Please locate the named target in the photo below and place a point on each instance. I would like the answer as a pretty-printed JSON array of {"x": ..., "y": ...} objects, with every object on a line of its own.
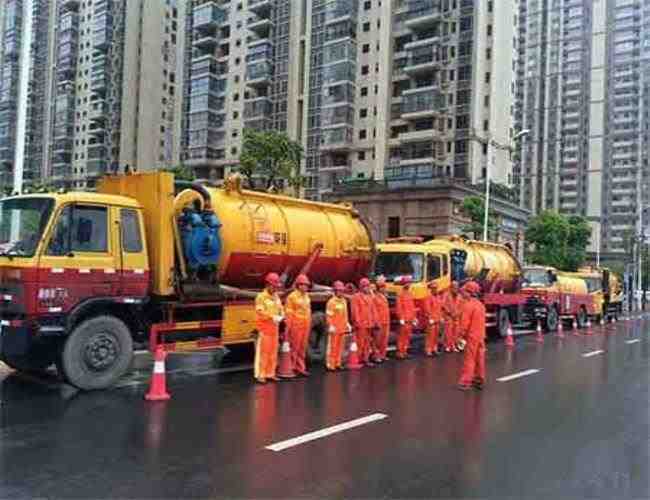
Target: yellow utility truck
[{"x": 146, "y": 260}]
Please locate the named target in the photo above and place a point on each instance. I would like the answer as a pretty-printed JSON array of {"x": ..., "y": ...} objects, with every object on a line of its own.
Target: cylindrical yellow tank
[
  {"x": 571, "y": 284},
  {"x": 263, "y": 232},
  {"x": 501, "y": 263}
]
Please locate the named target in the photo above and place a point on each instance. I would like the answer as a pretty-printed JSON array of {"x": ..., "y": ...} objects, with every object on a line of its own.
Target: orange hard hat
[
  {"x": 381, "y": 281},
  {"x": 406, "y": 280},
  {"x": 302, "y": 279},
  {"x": 339, "y": 286},
  {"x": 272, "y": 279},
  {"x": 472, "y": 287},
  {"x": 364, "y": 282}
]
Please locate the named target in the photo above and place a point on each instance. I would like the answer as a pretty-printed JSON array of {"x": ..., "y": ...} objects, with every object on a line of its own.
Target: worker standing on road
[
  {"x": 363, "y": 320},
  {"x": 298, "y": 308},
  {"x": 406, "y": 316},
  {"x": 433, "y": 304},
  {"x": 473, "y": 332},
  {"x": 338, "y": 324},
  {"x": 452, "y": 310},
  {"x": 268, "y": 316},
  {"x": 382, "y": 317}
]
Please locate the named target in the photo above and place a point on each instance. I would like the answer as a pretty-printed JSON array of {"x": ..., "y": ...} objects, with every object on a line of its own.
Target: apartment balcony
[
  {"x": 337, "y": 139},
  {"x": 206, "y": 64},
  {"x": 422, "y": 60},
  {"x": 62, "y": 145},
  {"x": 69, "y": 5},
  {"x": 341, "y": 166},
  {"x": 422, "y": 14},
  {"x": 618, "y": 191},
  {"x": 261, "y": 26},
  {"x": 205, "y": 157},
  {"x": 422, "y": 103},
  {"x": 206, "y": 42},
  {"x": 97, "y": 130},
  {"x": 262, "y": 8},
  {"x": 627, "y": 155},
  {"x": 418, "y": 135},
  {"x": 99, "y": 112},
  {"x": 259, "y": 74},
  {"x": 257, "y": 113},
  {"x": 208, "y": 16},
  {"x": 96, "y": 168},
  {"x": 62, "y": 157},
  {"x": 337, "y": 10}
]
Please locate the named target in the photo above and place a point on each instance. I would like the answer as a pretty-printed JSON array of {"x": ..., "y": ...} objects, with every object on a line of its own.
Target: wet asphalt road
[{"x": 578, "y": 427}]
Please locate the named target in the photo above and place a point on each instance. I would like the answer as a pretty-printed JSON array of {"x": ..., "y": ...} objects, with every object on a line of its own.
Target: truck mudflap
[{"x": 15, "y": 337}]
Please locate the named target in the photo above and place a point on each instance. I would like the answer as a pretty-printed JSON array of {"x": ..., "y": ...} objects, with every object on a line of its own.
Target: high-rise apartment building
[
  {"x": 104, "y": 87},
  {"x": 582, "y": 90},
  {"x": 384, "y": 88}
]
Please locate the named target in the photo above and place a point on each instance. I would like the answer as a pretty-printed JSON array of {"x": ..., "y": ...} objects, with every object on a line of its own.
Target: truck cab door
[
  {"x": 132, "y": 253},
  {"x": 79, "y": 260}
]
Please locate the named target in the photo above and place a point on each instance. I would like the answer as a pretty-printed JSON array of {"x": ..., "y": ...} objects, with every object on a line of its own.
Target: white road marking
[
  {"x": 592, "y": 353},
  {"x": 305, "y": 438},
  {"x": 633, "y": 341},
  {"x": 518, "y": 375}
]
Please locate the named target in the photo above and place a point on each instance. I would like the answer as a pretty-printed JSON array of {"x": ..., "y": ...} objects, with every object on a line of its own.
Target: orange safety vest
[
  {"x": 382, "y": 309},
  {"x": 473, "y": 320},
  {"x": 298, "y": 308},
  {"x": 336, "y": 311},
  {"x": 434, "y": 307},
  {"x": 405, "y": 306},
  {"x": 363, "y": 310},
  {"x": 267, "y": 305}
]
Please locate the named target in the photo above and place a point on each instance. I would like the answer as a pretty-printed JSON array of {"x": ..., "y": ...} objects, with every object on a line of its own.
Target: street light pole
[{"x": 493, "y": 144}]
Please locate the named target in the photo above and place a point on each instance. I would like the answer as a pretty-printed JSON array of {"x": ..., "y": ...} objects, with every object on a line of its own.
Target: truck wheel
[
  {"x": 317, "y": 338},
  {"x": 582, "y": 318},
  {"x": 97, "y": 353},
  {"x": 552, "y": 319},
  {"x": 503, "y": 320}
]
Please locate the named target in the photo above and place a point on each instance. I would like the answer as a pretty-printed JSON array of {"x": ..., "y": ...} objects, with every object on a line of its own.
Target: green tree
[
  {"x": 474, "y": 208},
  {"x": 557, "y": 240},
  {"x": 181, "y": 172},
  {"x": 271, "y": 156}
]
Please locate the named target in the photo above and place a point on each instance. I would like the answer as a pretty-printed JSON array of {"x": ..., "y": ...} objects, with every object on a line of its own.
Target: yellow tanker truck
[
  {"x": 605, "y": 289},
  {"x": 453, "y": 258},
  {"x": 86, "y": 276}
]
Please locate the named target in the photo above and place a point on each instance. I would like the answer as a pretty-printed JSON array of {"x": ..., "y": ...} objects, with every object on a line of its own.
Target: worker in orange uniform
[
  {"x": 363, "y": 315},
  {"x": 473, "y": 332},
  {"x": 452, "y": 310},
  {"x": 268, "y": 316},
  {"x": 338, "y": 324},
  {"x": 382, "y": 319},
  {"x": 433, "y": 305},
  {"x": 298, "y": 309},
  {"x": 405, "y": 309}
]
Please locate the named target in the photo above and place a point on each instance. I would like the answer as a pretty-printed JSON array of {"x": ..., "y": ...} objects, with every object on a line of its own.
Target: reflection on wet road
[{"x": 567, "y": 418}]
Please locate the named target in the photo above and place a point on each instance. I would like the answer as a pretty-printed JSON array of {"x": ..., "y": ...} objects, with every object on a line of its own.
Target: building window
[
  {"x": 364, "y": 69},
  {"x": 487, "y": 77},
  {"x": 367, "y": 5},
  {"x": 489, "y": 30},
  {"x": 363, "y": 134},
  {"x": 488, "y": 53},
  {"x": 364, "y": 91},
  {"x": 366, "y": 27},
  {"x": 363, "y": 113},
  {"x": 361, "y": 155},
  {"x": 366, "y": 48},
  {"x": 393, "y": 227}
]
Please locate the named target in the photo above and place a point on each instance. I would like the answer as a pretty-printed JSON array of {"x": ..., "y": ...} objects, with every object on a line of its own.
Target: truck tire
[
  {"x": 503, "y": 320},
  {"x": 317, "y": 338},
  {"x": 97, "y": 353},
  {"x": 552, "y": 319}
]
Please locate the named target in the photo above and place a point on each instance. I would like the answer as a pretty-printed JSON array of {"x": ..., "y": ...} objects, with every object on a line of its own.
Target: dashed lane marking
[
  {"x": 633, "y": 341},
  {"x": 328, "y": 431},
  {"x": 592, "y": 353},
  {"x": 517, "y": 375}
]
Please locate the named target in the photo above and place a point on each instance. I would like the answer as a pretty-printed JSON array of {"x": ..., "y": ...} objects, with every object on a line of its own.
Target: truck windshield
[
  {"x": 536, "y": 277},
  {"x": 397, "y": 264},
  {"x": 22, "y": 222}
]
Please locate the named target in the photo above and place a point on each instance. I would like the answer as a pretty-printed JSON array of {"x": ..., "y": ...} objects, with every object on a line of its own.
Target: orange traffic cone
[
  {"x": 588, "y": 332},
  {"x": 158, "y": 386},
  {"x": 560, "y": 330},
  {"x": 509, "y": 341},
  {"x": 575, "y": 326},
  {"x": 353, "y": 357},
  {"x": 285, "y": 367},
  {"x": 602, "y": 320},
  {"x": 539, "y": 336}
]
